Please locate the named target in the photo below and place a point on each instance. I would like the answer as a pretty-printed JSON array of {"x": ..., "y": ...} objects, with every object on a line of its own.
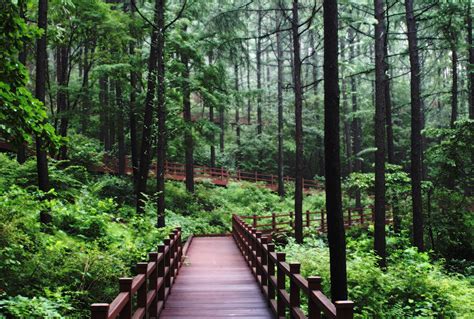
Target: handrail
[
  {"x": 271, "y": 270},
  {"x": 151, "y": 286},
  {"x": 354, "y": 216}
]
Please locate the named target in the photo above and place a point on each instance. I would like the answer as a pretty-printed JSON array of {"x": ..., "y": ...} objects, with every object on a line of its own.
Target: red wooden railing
[
  {"x": 272, "y": 271},
  {"x": 144, "y": 295},
  {"x": 218, "y": 175},
  {"x": 278, "y": 222}
]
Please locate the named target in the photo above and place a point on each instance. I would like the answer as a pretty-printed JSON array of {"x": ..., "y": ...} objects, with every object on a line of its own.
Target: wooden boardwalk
[{"x": 215, "y": 282}]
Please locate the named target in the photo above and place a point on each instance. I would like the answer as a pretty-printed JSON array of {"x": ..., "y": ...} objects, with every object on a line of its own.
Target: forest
[{"x": 242, "y": 120}]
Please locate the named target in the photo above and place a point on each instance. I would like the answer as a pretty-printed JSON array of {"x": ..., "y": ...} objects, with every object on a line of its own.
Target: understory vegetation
[{"x": 95, "y": 237}]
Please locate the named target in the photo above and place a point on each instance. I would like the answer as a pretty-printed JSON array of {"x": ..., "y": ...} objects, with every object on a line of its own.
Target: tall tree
[
  {"x": 188, "y": 134},
  {"x": 415, "y": 88},
  {"x": 335, "y": 219},
  {"x": 132, "y": 114},
  {"x": 161, "y": 101},
  {"x": 145, "y": 148},
  {"x": 237, "y": 114},
  {"x": 298, "y": 92},
  {"x": 470, "y": 67},
  {"x": 40, "y": 92},
  {"x": 258, "y": 56},
  {"x": 120, "y": 127},
  {"x": 379, "y": 233},
  {"x": 279, "y": 49}
]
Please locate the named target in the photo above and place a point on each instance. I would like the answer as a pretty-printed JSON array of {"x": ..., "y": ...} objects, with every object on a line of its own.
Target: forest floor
[{"x": 95, "y": 237}]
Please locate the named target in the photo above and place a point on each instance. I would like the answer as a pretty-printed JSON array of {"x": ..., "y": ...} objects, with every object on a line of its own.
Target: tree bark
[
  {"x": 379, "y": 234},
  {"x": 161, "y": 148},
  {"x": 470, "y": 67},
  {"x": 281, "y": 183},
  {"x": 120, "y": 128},
  {"x": 211, "y": 119},
  {"x": 188, "y": 134},
  {"x": 237, "y": 115},
  {"x": 298, "y": 125},
  {"x": 454, "y": 86},
  {"x": 145, "y": 149},
  {"x": 134, "y": 147},
  {"x": 62, "y": 103},
  {"x": 335, "y": 219},
  {"x": 259, "y": 74},
  {"x": 40, "y": 92},
  {"x": 415, "y": 87}
]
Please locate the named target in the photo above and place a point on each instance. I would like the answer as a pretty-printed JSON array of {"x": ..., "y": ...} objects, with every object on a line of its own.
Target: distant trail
[{"x": 216, "y": 175}]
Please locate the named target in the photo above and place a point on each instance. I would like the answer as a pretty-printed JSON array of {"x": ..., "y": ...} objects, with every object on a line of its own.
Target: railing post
[
  {"x": 274, "y": 222},
  {"x": 125, "y": 285},
  {"x": 307, "y": 219},
  {"x": 160, "y": 297},
  {"x": 271, "y": 272},
  {"x": 291, "y": 220},
  {"x": 281, "y": 308},
  {"x": 143, "y": 290},
  {"x": 361, "y": 216},
  {"x": 258, "y": 250},
  {"x": 349, "y": 216},
  {"x": 253, "y": 253},
  {"x": 254, "y": 221},
  {"x": 314, "y": 284},
  {"x": 344, "y": 309},
  {"x": 264, "y": 259},
  {"x": 167, "y": 257},
  {"x": 295, "y": 300},
  {"x": 99, "y": 311},
  {"x": 153, "y": 257}
]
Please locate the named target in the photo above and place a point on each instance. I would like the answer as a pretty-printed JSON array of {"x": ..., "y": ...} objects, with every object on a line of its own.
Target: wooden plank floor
[{"x": 216, "y": 284}]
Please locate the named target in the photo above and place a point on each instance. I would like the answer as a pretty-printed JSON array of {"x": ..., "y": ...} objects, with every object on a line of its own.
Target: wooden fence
[
  {"x": 144, "y": 295},
  {"x": 272, "y": 271},
  {"x": 318, "y": 219}
]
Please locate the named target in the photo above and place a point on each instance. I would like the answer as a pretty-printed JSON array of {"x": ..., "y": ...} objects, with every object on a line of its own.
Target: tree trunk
[
  {"x": 379, "y": 234},
  {"x": 120, "y": 128},
  {"x": 40, "y": 92},
  {"x": 62, "y": 71},
  {"x": 470, "y": 67},
  {"x": 259, "y": 74},
  {"x": 85, "y": 94},
  {"x": 298, "y": 126},
  {"x": 103, "y": 113},
  {"x": 134, "y": 147},
  {"x": 249, "y": 99},
  {"x": 188, "y": 133},
  {"x": 335, "y": 219},
  {"x": 211, "y": 119},
  {"x": 237, "y": 115},
  {"x": 145, "y": 149},
  {"x": 21, "y": 153},
  {"x": 281, "y": 183},
  {"x": 454, "y": 86},
  {"x": 161, "y": 147},
  {"x": 415, "y": 85}
]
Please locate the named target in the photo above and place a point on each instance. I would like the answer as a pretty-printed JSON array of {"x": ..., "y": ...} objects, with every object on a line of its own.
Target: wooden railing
[
  {"x": 144, "y": 295},
  {"x": 219, "y": 175},
  {"x": 272, "y": 271},
  {"x": 317, "y": 219}
]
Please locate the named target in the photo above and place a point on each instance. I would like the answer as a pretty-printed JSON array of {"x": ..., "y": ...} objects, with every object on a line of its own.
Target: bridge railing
[
  {"x": 272, "y": 271},
  {"x": 144, "y": 295},
  {"x": 318, "y": 219}
]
